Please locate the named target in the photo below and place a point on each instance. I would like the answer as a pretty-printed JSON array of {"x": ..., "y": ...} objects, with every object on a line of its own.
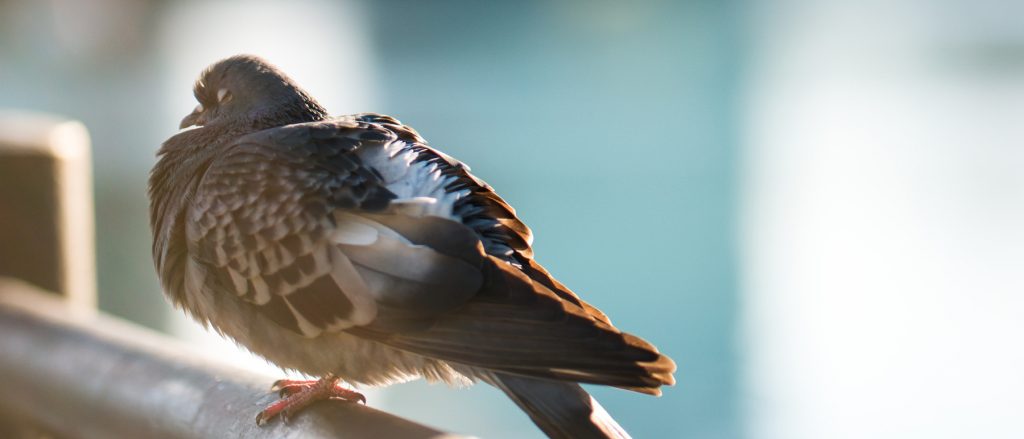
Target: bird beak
[{"x": 192, "y": 119}]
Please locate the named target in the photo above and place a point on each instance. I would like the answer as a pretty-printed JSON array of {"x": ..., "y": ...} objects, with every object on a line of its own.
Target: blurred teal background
[
  {"x": 609, "y": 126},
  {"x": 789, "y": 198}
]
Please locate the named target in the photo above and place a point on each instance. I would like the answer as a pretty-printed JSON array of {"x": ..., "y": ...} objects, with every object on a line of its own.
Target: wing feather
[
  {"x": 522, "y": 321},
  {"x": 520, "y": 326},
  {"x": 261, "y": 223},
  {"x": 292, "y": 220}
]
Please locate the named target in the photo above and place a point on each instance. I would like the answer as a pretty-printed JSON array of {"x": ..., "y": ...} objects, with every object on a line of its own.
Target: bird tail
[{"x": 562, "y": 410}]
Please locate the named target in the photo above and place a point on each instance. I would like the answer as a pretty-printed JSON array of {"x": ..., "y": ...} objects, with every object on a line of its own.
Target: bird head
[{"x": 248, "y": 91}]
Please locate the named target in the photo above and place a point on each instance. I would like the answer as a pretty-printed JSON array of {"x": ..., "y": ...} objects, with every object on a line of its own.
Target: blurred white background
[{"x": 883, "y": 204}]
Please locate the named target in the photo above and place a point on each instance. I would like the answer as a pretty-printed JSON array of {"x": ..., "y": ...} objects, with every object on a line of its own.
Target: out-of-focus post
[{"x": 46, "y": 207}]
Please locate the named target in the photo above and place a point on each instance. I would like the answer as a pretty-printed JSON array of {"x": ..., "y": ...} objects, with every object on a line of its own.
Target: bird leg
[{"x": 297, "y": 395}]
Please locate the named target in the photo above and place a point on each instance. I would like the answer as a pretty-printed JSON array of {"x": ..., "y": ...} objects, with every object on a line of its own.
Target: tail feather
[{"x": 563, "y": 410}]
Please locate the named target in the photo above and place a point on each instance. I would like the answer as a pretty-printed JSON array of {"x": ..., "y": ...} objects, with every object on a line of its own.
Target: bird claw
[
  {"x": 296, "y": 395},
  {"x": 267, "y": 415},
  {"x": 286, "y": 417},
  {"x": 351, "y": 397}
]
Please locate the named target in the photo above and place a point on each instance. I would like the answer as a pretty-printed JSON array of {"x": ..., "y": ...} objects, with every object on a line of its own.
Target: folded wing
[{"x": 295, "y": 221}]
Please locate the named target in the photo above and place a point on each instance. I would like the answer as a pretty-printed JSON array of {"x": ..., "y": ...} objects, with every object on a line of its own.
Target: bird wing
[
  {"x": 294, "y": 220},
  {"x": 284, "y": 218},
  {"x": 519, "y": 326},
  {"x": 522, "y": 321},
  {"x": 494, "y": 221}
]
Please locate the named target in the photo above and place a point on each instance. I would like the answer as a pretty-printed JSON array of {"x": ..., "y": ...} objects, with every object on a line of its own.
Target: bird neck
[{"x": 301, "y": 108}]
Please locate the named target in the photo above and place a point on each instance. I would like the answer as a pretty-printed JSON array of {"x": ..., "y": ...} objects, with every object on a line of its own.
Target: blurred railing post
[{"x": 46, "y": 208}]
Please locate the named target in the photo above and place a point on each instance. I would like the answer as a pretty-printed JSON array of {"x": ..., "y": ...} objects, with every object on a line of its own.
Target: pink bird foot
[{"x": 297, "y": 395}]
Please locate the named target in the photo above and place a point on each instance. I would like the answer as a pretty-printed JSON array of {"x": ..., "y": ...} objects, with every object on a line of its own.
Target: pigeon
[{"x": 350, "y": 250}]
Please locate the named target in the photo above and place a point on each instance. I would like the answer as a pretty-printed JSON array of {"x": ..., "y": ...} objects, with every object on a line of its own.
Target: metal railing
[{"x": 68, "y": 371}]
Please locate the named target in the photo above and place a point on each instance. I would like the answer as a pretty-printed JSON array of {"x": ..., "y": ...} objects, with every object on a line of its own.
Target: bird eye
[{"x": 223, "y": 95}]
